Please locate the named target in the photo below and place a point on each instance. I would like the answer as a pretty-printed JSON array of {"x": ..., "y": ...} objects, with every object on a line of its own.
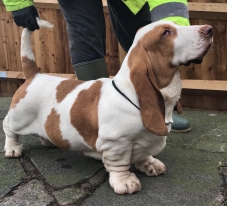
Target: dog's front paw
[
  {"x": 151, "y": 166},
  {"x": 13, "y": 151},
  {"x": 124, "y": 182}
]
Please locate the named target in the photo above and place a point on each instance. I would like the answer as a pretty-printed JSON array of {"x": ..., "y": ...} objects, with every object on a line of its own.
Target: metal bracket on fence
[{"x": 3, "y": 76}]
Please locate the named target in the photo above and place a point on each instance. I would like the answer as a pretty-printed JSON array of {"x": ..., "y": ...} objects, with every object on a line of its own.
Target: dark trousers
[{"x": 87, "y": 31}]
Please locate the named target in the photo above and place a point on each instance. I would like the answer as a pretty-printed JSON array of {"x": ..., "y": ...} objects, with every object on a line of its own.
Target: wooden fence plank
[
  {"x": 5, "y": 39},
  {"x": 2, "y": 55},
  {"x": 189, "y": 85},
  {"x": 17, "y": 42}
]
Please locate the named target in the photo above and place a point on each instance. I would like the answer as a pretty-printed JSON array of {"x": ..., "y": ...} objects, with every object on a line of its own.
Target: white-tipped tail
[
  {"x": 26, "y": 48},
  {"x": 27, "y": 56},
  {"x": 44, "y": 24}
]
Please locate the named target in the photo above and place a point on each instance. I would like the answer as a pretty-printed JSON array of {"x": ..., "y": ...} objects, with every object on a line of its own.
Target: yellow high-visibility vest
[{"x": 172, "y": 10}]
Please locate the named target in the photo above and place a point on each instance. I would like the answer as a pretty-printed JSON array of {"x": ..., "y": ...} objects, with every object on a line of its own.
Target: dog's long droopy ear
[
  {"x": 150, "y": 98},
  {"x": 179, "y": 108}
]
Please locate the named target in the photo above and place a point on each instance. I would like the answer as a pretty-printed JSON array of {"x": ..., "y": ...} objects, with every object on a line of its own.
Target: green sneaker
[{"x": 180, "y": 124}]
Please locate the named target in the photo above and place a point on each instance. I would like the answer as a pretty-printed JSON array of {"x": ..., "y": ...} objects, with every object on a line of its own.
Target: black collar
[{"x": 114, "y": 85}]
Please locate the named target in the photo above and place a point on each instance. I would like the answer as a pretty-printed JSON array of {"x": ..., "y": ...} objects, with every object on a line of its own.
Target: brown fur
[
  {"x": 29, "y": 67},
  {"x": 30, "y": 70},
  {"x": 84, "y": 113},
  {"x": 66, "y": 87},
  {"x": 151, "y": 70},
  {"x": 20, "y": 93},
  {"x": 52, "y": 127}
]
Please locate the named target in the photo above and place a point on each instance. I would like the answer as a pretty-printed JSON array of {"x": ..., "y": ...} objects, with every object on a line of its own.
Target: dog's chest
[{"x": 146, "y": 144}]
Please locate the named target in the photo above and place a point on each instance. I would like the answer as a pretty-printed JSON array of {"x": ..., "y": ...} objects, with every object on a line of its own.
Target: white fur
[
  {"x": 26, "y": 48},
  {"x": 122, "y": 137},
  {"x": 171, "y": 94}
]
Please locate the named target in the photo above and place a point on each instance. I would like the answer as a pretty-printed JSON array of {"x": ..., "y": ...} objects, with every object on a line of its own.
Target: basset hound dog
[{"x": 121, "y": 121}]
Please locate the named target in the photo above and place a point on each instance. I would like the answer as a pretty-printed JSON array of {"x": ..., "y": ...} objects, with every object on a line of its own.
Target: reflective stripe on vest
[
  {"x": 169, "y": 9},
  {"x": 178, "y": 20}
]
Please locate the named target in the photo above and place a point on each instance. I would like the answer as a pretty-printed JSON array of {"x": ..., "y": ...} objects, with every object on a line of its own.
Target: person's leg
[
  {"x": 87, "y": 36},
  {"x": 125, "y": 23}
]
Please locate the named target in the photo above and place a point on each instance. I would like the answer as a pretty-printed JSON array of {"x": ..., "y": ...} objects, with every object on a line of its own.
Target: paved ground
[{"x": 196, "y": 171}]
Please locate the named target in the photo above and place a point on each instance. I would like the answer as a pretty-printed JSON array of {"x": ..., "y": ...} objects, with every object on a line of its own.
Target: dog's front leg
[
  {"x": 117, "y": 160},
  {"x": 151, "y": 166}
]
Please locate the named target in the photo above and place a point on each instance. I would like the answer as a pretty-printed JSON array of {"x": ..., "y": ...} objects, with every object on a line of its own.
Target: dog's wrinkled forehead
[{"x": 152, "y": 27}]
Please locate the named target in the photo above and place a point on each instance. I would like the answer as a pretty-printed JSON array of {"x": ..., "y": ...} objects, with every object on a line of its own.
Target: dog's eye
[{"x": 165, "y": 33}]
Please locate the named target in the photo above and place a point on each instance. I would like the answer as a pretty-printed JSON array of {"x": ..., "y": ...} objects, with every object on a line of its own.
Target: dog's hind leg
[{"x": 12, "y": 146}]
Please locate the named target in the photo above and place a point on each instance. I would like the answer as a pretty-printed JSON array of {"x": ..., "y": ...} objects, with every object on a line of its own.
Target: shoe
[{"x": 180, "y": 124}]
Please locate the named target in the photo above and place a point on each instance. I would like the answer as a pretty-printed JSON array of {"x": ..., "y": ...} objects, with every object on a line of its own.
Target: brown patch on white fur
[
  {"x": 30, "y": 70},
  {"x": 66, "y": 87},
  {"x": 52, "y": 127},
  {"x": 150, "y": 62},
  {"x": 84, "y": 113},
  {"x": 29, "y": 67},
  {"x": 20, "y": 93},
  {"x": 160, "y": 53}
]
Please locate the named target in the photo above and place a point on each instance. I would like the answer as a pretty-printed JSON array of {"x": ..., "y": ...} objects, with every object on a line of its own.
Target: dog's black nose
[{"x": 206, "y": 30}]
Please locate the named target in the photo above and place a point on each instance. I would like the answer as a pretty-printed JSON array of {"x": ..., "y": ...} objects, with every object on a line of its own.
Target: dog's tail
[{"x": 27, "y": 57}]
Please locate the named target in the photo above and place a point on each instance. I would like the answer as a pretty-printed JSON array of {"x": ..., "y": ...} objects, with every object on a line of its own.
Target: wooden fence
[{"x": 204, "y": 86}]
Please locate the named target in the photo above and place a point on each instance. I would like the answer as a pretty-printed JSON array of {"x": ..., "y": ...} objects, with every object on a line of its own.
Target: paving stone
[
  {"x": 208, "y": 131},
  {"x": 223, "y": 170},
  {"x": 69, "y": 195},
  {"x": 192, "y": 179},
  {"x": 4, "y": 106},
  {"x": 11, "y": 174},
  {"x": 99, "y": 177},
  {"x": 61, "y": 168},
  {"x": 217, "y": 140},
  {"x": 33, "y": 193}
]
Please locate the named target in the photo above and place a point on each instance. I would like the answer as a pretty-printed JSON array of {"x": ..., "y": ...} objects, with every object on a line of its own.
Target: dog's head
[{"x": 157, "y": 51}]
